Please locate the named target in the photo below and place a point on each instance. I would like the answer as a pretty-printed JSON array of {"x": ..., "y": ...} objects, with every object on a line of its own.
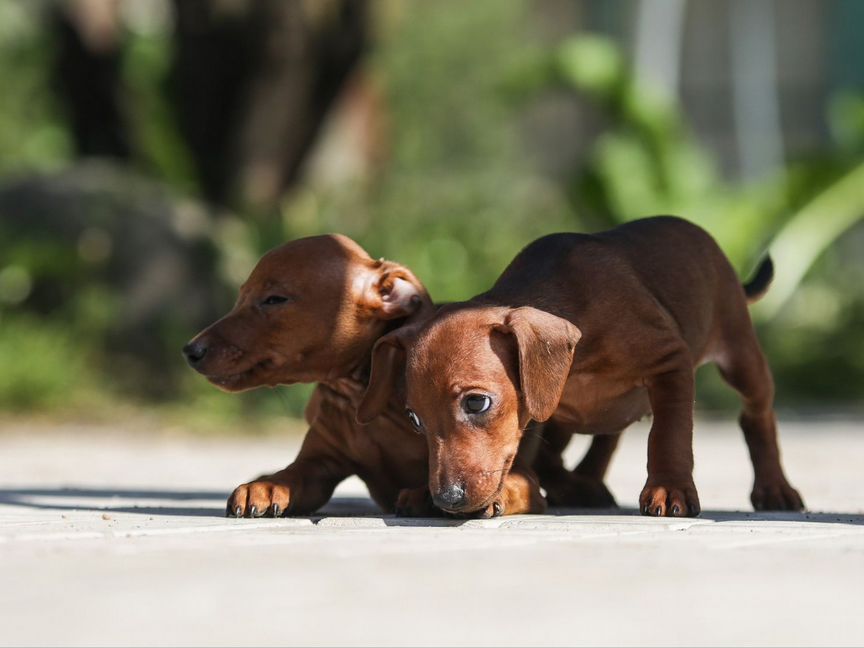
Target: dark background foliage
[{"x": 150, "y": 151}]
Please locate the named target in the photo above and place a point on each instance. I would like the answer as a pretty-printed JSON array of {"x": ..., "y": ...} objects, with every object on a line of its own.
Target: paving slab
[{"x": 112, "y": 536}]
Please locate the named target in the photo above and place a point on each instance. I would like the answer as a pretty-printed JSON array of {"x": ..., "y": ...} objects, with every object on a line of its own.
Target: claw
[
  {"x": 253, "y": 512},
  {"x": 658, "y": 511},
  {"x": 276, "y": 510},
  {"x": 497, "y": 509},
  {"x": 676, "y": 510},
  {"x": 238, "y": 512}
]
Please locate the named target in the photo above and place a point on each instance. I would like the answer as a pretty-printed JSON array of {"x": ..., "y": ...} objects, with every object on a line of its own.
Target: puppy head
[
  {"x": 473, "y": 378},
  {"x": 311, "y": 310}
]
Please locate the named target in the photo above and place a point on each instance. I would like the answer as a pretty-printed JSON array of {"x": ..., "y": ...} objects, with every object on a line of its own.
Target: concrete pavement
[{"x": 112, "y": 536}]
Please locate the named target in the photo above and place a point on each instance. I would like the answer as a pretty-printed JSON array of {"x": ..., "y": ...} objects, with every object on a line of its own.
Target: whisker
[
  {"x": 534, "y": 432},
  {"x": 283, "y": 398}
]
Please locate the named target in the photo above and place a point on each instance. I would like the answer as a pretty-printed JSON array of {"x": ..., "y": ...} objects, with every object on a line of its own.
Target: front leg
[
  {"x": 300, "y": 489},
  {"x": 670, "y": 490},
  {"x": 520, "y": 493},
  {"x": 416, "y": 502}
]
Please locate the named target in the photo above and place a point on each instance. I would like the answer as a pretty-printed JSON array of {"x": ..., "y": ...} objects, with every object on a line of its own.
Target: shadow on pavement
[
  {"x": 211, "y": 504},
  {"x": 78, "y": 499},
  {"x": 120, "y": 500},
  {"x": 821, "y": 517}
]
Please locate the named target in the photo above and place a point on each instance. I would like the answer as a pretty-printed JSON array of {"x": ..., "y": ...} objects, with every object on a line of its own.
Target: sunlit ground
[{"x": 112, "y": 531}]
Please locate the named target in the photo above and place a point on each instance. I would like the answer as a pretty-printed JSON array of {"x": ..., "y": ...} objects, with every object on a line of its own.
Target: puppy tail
[{"x": 756, "y": 288}]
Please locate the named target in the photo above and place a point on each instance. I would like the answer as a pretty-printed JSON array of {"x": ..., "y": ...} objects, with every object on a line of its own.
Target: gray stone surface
[{"x": 108, "y": 536}]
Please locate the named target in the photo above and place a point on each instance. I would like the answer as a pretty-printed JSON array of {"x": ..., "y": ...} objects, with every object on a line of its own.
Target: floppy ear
[
  {"x": 546, "y": 344},
  {"x": 394, "y": 292},
  {"x": 388, "y": 366}
]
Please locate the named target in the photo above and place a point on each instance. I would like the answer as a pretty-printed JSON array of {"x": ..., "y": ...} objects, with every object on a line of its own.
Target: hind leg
[
  {"x": 583, "y": 487},
  {"x": 744, "y": 367}
]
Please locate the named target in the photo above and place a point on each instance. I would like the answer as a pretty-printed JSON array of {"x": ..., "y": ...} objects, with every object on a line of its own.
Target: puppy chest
[
  {"x": 383, "y": 445},
  {"x": 592, "y": 405}
]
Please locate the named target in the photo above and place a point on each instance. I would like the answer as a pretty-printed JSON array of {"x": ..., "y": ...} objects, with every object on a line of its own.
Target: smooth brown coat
[
  {"x": 311, "y": 311},
  {"x": 587, "y": 333}
]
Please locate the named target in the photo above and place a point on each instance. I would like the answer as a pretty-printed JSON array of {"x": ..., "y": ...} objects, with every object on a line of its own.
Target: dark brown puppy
[
  {"x": 589, "y": 332},
  {"x": 311, "y": 311}
]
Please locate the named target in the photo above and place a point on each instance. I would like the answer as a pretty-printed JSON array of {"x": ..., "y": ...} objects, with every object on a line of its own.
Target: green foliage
[
  {"x": 44, "y": 367},
  {"x": 159, "y": 149},
  {"x": 456, "y": 199},
  {"x": 810, "y": 231},
  {"x": 32, "y": 132},
  {"x": 646, "y": 162}
]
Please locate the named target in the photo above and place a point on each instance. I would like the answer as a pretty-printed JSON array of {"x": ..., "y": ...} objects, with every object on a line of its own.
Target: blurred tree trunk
[
  {"x": 253, "y": 81},
  {"x": 87, "y": 73}
]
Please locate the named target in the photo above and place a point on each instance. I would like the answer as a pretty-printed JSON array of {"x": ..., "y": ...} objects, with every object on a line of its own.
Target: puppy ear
[
  {"x": 393, "y": 292},
  {"x": 388, "y": 367},
  {"x": 546, "y": 344}
]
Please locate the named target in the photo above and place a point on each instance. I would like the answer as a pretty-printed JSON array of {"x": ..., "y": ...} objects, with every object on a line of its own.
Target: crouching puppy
[
  {"x": 588, "y": 333},
  {"x": 311, "y": 311}
]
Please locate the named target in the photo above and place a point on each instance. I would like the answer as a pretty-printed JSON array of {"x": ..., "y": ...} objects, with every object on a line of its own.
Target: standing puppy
[
  {"x": 311, "y": 311},
  {"x": 589, "y": 332}
]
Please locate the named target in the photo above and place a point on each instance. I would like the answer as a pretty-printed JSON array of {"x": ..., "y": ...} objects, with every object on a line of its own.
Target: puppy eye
[
  {"x": 272, "y": 300},
  {"x": 476, "y": 403},
  {"x": 415, "y": 420}
]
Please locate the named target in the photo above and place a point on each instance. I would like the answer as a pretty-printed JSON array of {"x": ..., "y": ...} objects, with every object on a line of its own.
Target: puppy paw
[
  {"x": 579, "y": 491},
  {"x": 776, "y": 495},
  {"x": 670, "y": 498},
  {"x": 264, "y": 497},
  {"x": 519, "y": 496},
  {"x": 415, "y": 502},
  {"x": 495, "y": 509}
]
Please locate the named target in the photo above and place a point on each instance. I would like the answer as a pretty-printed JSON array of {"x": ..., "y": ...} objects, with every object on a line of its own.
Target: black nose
[
  {"x": 195, "y": 352},
  {"x": 452, "y": 497}
]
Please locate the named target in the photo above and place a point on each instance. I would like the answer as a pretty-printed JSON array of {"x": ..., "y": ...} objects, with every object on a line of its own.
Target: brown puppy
[
  {"x": 590, "y": 332},
  {"x": 311, "y": 311}
]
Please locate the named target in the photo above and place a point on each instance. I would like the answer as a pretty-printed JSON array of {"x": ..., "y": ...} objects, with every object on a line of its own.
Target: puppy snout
[
  {"x": 195, "y": 352},
  {"x": 452, "y": 497}
]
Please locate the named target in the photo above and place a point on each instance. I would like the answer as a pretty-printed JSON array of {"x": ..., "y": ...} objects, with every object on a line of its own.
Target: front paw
[
  {"x": 670, "y": 498},
  {"x": 519, "y": 496},
  {"x": 264, "y": 497},
  {"x": 415, "y": 502},
  {"x": 579, "y": 491},
  {"x": 775, "y": 495},
  {"x": 493, "y": 510}
]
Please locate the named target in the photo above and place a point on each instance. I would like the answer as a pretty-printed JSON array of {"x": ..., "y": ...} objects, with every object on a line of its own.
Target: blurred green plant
[
  {"x": 33, "y": 135},
  {"x": 159, "y": 149},
  {"x": 647, "y": 162},
  {"x": 456, "y": 198},
  {"x": 44, "y": 367}
]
